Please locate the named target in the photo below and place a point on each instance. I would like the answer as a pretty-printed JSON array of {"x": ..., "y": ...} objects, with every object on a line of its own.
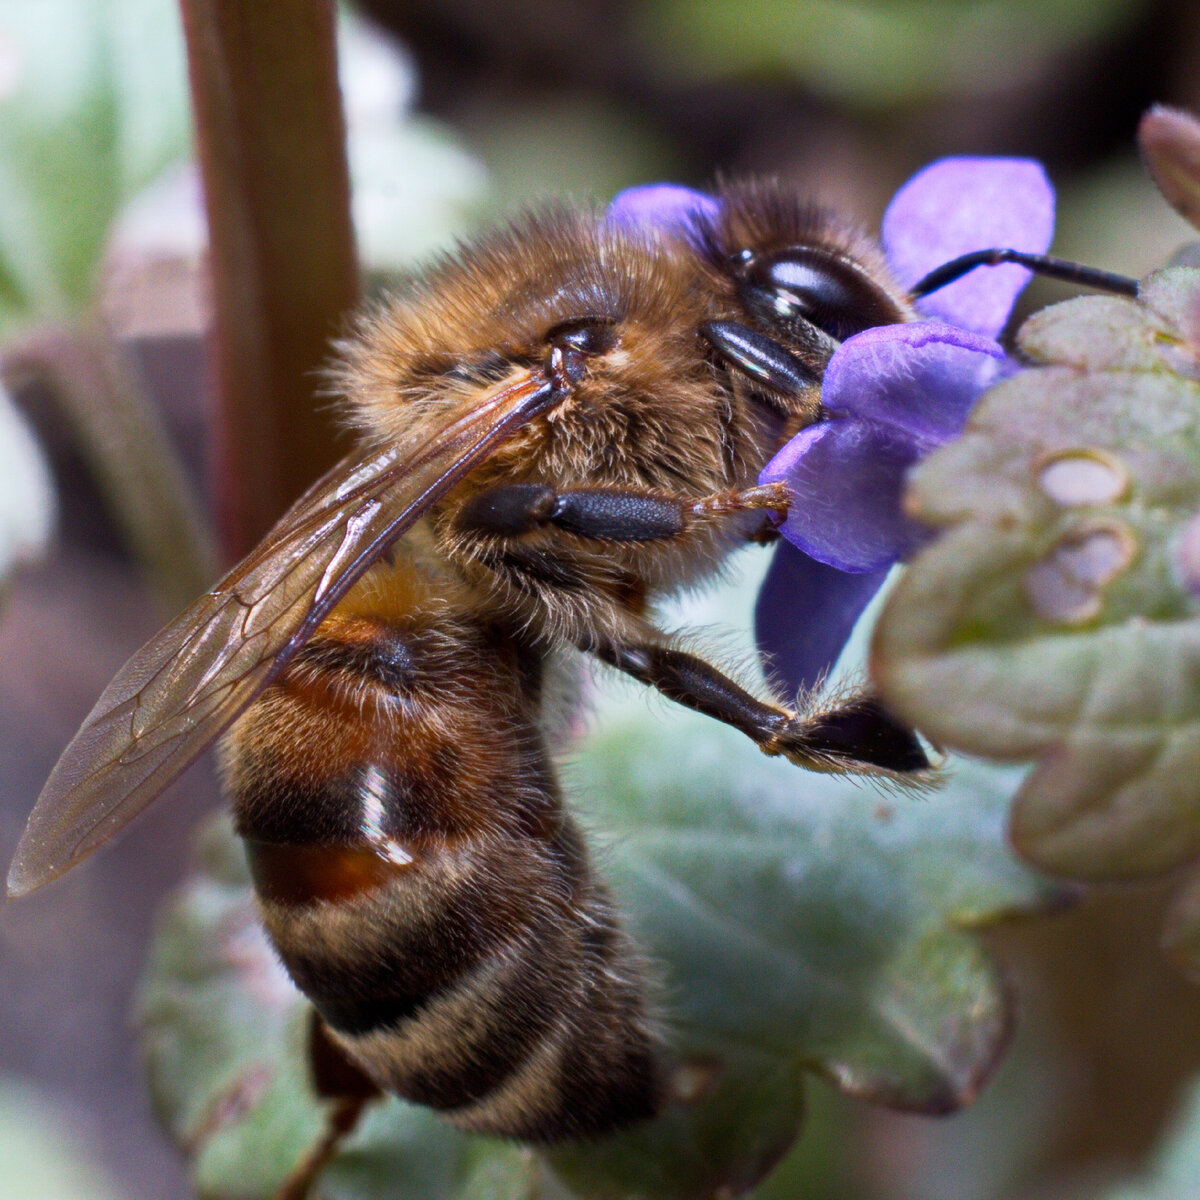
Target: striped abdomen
[{"x": 427, "y": 892}]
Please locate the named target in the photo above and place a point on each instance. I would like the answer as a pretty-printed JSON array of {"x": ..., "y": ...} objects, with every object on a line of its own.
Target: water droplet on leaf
[
  {"x": 1065, "y": 586},
  {"x": 1084, "y": 477}
]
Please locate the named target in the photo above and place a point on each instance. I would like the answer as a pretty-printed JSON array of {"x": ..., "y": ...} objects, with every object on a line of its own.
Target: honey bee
[{"x": 559, "y": 425}]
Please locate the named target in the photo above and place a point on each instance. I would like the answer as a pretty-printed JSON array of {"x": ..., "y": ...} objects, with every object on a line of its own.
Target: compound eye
[
  {"x": 588, "y": 336},
  {"x": 810, "y": 284}
]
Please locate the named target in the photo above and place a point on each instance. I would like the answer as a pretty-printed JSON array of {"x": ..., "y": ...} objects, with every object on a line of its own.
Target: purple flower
[
  {"x": 892, "y": 394},
  {"x": 665, "y": 206}
]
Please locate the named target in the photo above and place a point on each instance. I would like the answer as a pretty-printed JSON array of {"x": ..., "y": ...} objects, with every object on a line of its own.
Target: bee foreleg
[
  {"x": 858, "y": 736},
  {"x": 608, "y": 513}
]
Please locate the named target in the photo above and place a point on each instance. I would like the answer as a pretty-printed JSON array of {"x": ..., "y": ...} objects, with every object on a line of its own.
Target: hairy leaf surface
[{"x": 1059, "y": 618}]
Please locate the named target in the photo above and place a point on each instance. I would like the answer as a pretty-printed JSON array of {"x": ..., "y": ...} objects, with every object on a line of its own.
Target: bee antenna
[{"x": 1039, "y": 264}]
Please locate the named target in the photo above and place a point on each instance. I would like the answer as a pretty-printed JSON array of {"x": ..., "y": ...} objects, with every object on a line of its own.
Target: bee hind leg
[
  {"x": 858, "y": 735},
  {"x": 332, "y": 1074},
  {"x": 346, "y": 1091},
  {"x": 858, "y": 730}
]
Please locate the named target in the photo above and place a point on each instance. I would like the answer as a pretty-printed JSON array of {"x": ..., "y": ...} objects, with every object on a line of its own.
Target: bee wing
[{"x": 181, "y": 690}]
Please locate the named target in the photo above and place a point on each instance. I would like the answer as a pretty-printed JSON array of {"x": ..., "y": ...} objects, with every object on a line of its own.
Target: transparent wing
[{"x": 177, "y": 694}]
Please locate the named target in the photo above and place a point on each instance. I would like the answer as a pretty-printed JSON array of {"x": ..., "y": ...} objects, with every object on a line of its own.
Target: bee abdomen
[
  {"x": 491, "y": 982},
  {"x": 598, "y": 1065},
  {"x": 426, "y": 891},
  {"x": 547, "y": 1036}
]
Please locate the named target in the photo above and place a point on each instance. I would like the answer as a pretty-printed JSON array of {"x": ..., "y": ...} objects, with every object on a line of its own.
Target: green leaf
[
  {"x": 801, "y": 923},
  {"x": 224, "y": 1035},
  {"x": 403, "y": 1150},
  {"x": 93, "y": 105},
  {"x": 1057, "y": 619}
]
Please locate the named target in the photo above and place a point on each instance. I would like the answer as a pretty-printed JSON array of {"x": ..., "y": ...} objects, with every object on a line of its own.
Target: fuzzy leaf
[
  {"x": 798, "y": 922},
  {"x": 1057, "y": 620}
]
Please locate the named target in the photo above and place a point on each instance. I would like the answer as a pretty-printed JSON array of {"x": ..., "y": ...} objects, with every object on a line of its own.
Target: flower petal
[
  {"x": 805, "y": 612},
  {"x": 922, "y": 378},
  {"x": 846, "y": 478},
  {"x": 662, "y": 206},
  {"x": 958, "y": 205}
]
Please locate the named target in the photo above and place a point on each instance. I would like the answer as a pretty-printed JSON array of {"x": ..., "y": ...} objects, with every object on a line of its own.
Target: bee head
[
  {"x": 796, "y": 288},
  {"x": 796, "y": 271}
]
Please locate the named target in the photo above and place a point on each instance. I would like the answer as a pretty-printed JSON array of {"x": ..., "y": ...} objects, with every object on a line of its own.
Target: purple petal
[
  {"x": 846, "y": 478},
  {"x": 805, "y": 612},
  {"x": 958, "y": 205},
  {"x": 922, "y": 378},
  {"x": 662, "y": 206}
]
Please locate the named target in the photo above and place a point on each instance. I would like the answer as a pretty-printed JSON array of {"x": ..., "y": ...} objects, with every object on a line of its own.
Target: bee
[{"x": 559, "y": 425}]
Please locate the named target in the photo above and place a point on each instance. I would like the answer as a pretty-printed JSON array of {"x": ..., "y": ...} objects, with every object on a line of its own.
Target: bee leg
[
  {"x": 333, "y": 1075},
  {"x": 608, "y": 513},
  {"x": 857, "y": 736},
  {"x": 347, "y": 1092}
]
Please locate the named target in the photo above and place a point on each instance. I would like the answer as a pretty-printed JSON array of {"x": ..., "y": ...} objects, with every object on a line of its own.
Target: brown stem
[
  {"x": 272, "y": 152},
  {"x": 122, "y": 437}
]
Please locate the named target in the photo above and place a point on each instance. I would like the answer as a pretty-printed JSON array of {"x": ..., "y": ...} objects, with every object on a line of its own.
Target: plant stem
[{"x": 272, "y": 152}]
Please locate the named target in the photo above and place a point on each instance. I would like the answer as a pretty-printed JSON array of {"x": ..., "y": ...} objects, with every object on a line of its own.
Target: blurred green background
[{"x": 459, "y": 111}]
